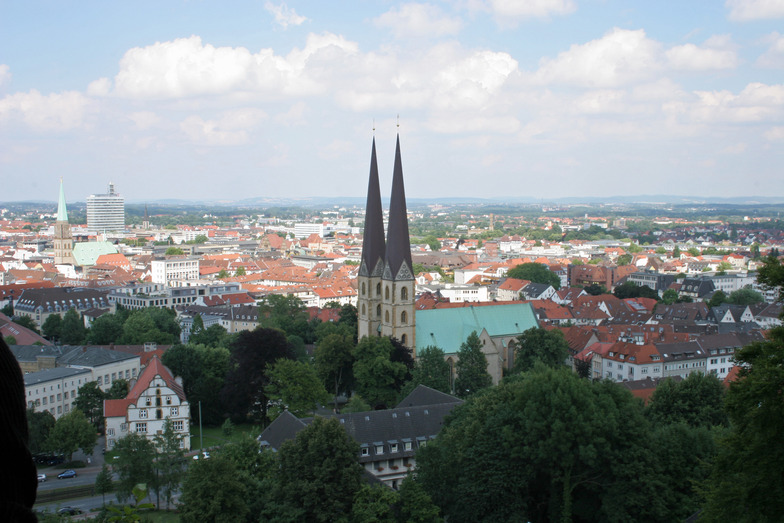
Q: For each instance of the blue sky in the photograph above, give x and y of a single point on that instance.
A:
(528, 98)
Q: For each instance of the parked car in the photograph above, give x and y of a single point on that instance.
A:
(71, 511)
(41, 478)
(67, 474)
(204, 455)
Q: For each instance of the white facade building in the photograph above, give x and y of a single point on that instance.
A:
(155, 398)
(168, 270)
(106, 212)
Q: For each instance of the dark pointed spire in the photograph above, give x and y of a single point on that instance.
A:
(398, 243)
(373, 236)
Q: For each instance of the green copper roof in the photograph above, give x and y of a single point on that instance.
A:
(86, 253)
(448, 328)
(62, 212)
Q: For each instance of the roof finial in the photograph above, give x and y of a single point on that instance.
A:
(398, 121)
(374, 126)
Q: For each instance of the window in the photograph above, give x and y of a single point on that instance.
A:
(393, 447)
(106, 379)
(386, 293)
(73, 394)
(143, 413)
(168, 400)
(127, 374)
(379, 449)
(158, 414)
(404, 339)
(407, 445)
(365, 451)
(378, 311)
(174, 411)
(386, 317)
(133, 372)
(148, 401)
(363, 288)
(378, 289)
(177, 425)
(363, 310)
(404, 293)
(100, 381)
(114, 376)
(60, 396)
(110, 432)
(403, 317)
(141, 428)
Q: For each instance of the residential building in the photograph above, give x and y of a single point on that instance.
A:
(174, 268)
(157, 396)
(39, 304)
(55, 390)
(388, 439)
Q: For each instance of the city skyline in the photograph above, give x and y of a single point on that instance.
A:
(545, 99)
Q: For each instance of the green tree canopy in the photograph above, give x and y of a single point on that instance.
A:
(431, 370)
(545, 446)
(745, 297)
(27, 322)
(89, 400)
(213, 491)
(319, 471)
(536, 273)
(719, 297)
(376, 376)
(174, 251)
(213, 336)
(670, 296)
(134, 463)
(335, 362)
(52, 326)
(294, 386)
(72, 330)
(70, 433)
(118, 390)
(632, 290)
(540, 345)
(252, 353)
(105, 329)
(288, 314)
(471, 367)
(39, 426)
(203, 370)
(697, 400)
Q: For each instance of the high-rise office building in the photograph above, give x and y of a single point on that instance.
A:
(106, 212)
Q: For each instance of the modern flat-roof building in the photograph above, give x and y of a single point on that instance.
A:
(106, 212)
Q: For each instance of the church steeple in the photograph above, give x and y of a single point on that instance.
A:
(398, 256)
(62, 212)
(373, 249)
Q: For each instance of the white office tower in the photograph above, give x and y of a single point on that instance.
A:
(106, 212)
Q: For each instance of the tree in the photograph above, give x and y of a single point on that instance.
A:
(198, 325)
(676, 252)
(375, 374)
(724, 267)
(402, 354)
(52, 326)
(151, 324)
(294, 386)
(374, 503)
(539, 345)
(545, 446)
(134, 463)
(536, 273)
(103, 482)
(203, 371)
(624, 259)
(431, 370)
(632, 290)
(169, 462)
(240, 271)
(89, 400)
(471, 367)
(213, 336)
(223, 274)
(118, 390)
(39, 426)
(105, 329)
(70, 433)
(252, 352)
(9, 340)
(697, 401)
(174, 251)
(319, 471)
(717, 299)
(27, 322)
(745, 297)
(595, 289)
(257, 471)
(670, 296)
(287, 313)
(357, 404)
(415, 505)
(335, 362)
(212, 491)
(693, 252)
(72, 330)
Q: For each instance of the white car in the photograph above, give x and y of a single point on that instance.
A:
(204, 455)
(41, 478)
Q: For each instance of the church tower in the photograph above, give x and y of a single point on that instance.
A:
(398, 278)
(63, 239)
(371, 267)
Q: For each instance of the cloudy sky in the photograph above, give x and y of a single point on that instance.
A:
(202, 99)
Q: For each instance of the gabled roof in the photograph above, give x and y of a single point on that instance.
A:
(424, 395)
(153, 369)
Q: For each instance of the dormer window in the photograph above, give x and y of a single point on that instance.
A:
(393, 447)
(364, 451)
(379, 448)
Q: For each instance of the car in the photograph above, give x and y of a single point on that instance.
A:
(67, 474)
(204, 455)
(41, 478)
(71, 511)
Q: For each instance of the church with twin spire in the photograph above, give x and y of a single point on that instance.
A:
(386, 276)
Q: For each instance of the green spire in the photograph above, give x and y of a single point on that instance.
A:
(62, 212)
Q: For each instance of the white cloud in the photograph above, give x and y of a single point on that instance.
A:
(715, 53)
(774, 56)
(5, 74)
(775, 134)
(53, 112)
(757, 102)
(508, 13)
(619, 57)
(144, 119)
(336, 149)
(418, 20)
(99, 87)
(745, 10)
(232, 128)
(185, 67)
(284, 16)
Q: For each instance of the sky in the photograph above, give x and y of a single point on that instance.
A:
(208, 100)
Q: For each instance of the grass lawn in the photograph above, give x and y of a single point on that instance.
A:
(213, 436)
(161, 516)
